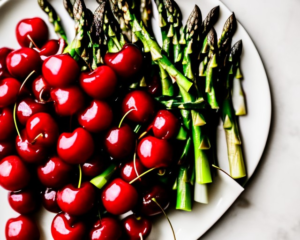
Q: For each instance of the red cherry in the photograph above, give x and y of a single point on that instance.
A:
(119, 197)
(24, 201)
(20, 63)
(14, 175)
(60, 70)
(65, 227)
(21, 228)
(143, 106)
(30, 152)
(9, 90)
(54, 173)
(97, 117)
(3, 70)
(50, 48)
(119, 142)
(41, 89)
(67, 101)
(7, 128)
(76, 201)
(154, 152)
(36, 28)
(161, 195)
(165, 125)
(125, 63)
(136, 226)
(49, 200)
(128, 172)
(99, 84)
(106, 229)
(154, 87)
(93, 167)
(6, 149)
(28, 107)
(76, 147)
(42, 123)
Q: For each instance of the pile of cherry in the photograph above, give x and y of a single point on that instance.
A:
(60, 128)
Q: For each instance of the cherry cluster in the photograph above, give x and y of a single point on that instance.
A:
(55, 119)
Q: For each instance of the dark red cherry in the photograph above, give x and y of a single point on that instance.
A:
(20, 228)
(141, 103)
(3, 69)
(35, 28)
(97, 117)
(76, 201)
(24, 201)
(49, 200)
(42, 129)
(65, 227)
(9, 90)
(128, 172)
(28, 107)
(94, 166)
(154, 87)
(6, 149)
(55, 173)
(60, 70)
(127, 62)
(20, 63)
(41, 89)
(154, 152)
(119, 197)
(30, 152)
(76, 147)
(49, 48)
(107, 228)
(7, 128)
(119, 142)
(137, 228)
(161, 195)
(14, 175)
(99, 84)
(165, 125)
(67, 101)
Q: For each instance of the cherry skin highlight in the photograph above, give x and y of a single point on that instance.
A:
(7, 128)
(49, 48)
(107, 228)
(49, 200)
(9, 90)
(128, 172)
(136, 226)
(23, 202)
(41, 89)
(93, 167)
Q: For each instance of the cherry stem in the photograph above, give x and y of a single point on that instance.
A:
(80, 176)
(154, 200)
(220, 169)
(141, 236)
(125, 115)
(144, 173)
(24, 82)
(15, 121)
(31, 40)
(36, 138)
(143, 134)
(134, 161)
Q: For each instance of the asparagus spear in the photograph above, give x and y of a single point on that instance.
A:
(68, 4)
(184, 192)
(53, 18)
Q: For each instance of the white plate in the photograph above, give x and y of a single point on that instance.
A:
(254, 126)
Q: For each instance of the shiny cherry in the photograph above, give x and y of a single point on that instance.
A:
(7, 128)
(94, 166)
(60, 70)
(9, 90)
(3, 69)
(49, 200)
(119, 197)
(30, 152)
(49, 48)
(154, 152)
(128, 172)
(143, 106)
(24, 201)
(41, 89)
(76, 201)
(161, 195)
(127, 62)
(76, 147)
(154, 87)
(99, 84)
(14, 175)
(6, 149)
(65, 227)
(42, 129)
(97, 117)
(20, 228)
(28, 107)
(54, 173)
(165, 125)
(20, 63)
(119, 142)
(107, 228)
(35, 28)
(67, 101)
(135, 227)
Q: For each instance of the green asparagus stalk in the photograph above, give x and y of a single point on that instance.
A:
(68, 4)
(54, 18)
(173, 104)
(101, 180)
(146, 12)
(228, 29)
(184, 192)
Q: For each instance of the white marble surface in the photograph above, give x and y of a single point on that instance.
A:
(269, 208)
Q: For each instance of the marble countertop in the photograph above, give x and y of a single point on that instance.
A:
(269, 208)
